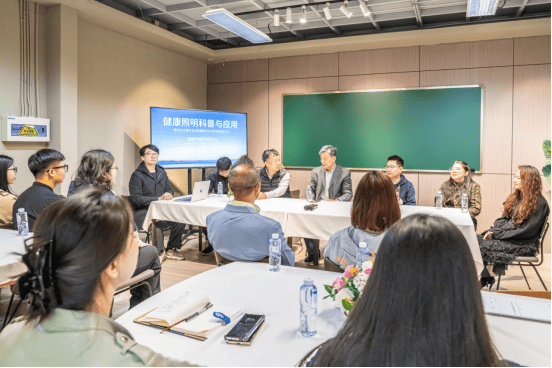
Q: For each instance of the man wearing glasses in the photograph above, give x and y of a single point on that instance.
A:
(406, 195)
(49, 171)
(149, 183)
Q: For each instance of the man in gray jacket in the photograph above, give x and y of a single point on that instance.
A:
(329, 182)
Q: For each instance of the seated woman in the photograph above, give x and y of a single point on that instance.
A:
(375, 209)
(97, 170)
(461, 182)
(405, 317)
(8, 174)
(90, 242)
(517, 232)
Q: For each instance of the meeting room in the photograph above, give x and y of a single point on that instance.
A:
(284, 183)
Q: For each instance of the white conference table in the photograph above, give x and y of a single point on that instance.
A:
(254, 289)
(320, 224)
(11, 265)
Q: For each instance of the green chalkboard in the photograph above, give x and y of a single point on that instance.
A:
(429, 128)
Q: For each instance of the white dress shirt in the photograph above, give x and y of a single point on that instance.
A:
(282, 187)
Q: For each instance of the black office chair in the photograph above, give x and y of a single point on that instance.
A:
(532, 261)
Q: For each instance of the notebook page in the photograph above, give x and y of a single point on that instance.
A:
(527, 309)
(178, 308)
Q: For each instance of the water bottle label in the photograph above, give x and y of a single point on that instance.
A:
(275, 248)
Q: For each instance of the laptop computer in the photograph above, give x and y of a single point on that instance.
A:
(201, 190)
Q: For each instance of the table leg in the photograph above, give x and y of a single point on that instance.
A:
(154, 232)
(316, 251)
(200, 238)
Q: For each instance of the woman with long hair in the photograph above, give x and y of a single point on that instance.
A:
(415, 321)
(461, 182)
(97, 169)
(517, 232)
(8, 174)
(375, 209)
(84, 248)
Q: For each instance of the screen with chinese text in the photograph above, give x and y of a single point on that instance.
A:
(193, 138)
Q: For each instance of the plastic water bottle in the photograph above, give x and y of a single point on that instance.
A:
(308, 296)
(219, 188)
(464, 203)
(361, 255)
(439, 201)
(22, 222)
(275, 258)
(309, 194)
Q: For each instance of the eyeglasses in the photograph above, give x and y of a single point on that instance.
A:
(14, 169)
(455, 169)
(114, 168)
(391, 167)
(152, 154)
(64, 167)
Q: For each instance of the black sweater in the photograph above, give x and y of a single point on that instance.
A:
(34, 200)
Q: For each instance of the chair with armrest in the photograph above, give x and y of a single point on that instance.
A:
(133, 282)
(221, 260)
(331, 266)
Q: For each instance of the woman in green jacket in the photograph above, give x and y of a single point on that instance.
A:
(84, 248)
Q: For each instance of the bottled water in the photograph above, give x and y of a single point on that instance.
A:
(361, 255)
(310, 196)
(308, 300)
(439, 200)
(22, 222)
(219, 188)
(275, 258)
(464, 203)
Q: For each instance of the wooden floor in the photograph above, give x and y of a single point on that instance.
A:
(174, 272)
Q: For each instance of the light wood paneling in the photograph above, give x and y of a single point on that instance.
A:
(238, 71)
(467, 55)
(299, 179)
(532, 50)
(289, 86)
(496, 148)
(531, 115)
(248, 97)
(428, 184)
(404, 59)
(494, 191)
(379, 81)
(311, 66)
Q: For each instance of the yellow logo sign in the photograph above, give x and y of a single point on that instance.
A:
(28, 131)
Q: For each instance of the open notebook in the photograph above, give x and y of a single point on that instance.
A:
(526, 308)
(174, 316)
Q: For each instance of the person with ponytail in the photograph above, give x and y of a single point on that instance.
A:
(83, 248)
(517, 232)
(461, 182)
(8, 174)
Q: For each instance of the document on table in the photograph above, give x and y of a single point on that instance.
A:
(504, 305)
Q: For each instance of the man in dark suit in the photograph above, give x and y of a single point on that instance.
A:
(329, 182)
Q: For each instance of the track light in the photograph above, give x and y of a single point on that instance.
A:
(288, 15)
(303, 18)
(276, 18)
(364, 8)
(327, 12)
(345, 10)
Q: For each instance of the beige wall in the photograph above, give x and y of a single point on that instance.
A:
(119, 79)
(514, 74)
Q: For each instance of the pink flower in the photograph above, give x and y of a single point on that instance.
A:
(347, 275)
(368, 271)
(341, 283)
(338, 283)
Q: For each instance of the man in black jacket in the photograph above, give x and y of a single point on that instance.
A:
(149, 183)
(220, 175)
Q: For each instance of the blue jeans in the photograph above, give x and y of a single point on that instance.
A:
(310, 246)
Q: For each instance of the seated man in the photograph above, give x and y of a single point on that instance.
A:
(239, 232)
(49, 170)
(406, 195)
(149, 183)
(220, 175)
(274, 178)
(329, 182)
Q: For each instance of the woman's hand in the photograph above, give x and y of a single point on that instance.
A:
(488, 235)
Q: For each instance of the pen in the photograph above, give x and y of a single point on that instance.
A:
(198, 312)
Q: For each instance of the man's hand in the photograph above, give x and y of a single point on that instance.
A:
(166, 197)
(488, 235)
(261, 195)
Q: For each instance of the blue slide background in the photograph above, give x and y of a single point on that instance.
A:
(190, 138)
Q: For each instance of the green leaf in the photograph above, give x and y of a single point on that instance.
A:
(347, 304)
(329, 289)
(546, 149)
(546, 170)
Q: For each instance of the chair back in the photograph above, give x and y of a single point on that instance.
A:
(295, 193)
(221, 260)
(331, 266)
(541, 239)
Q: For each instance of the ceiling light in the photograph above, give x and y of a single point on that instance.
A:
(478, 8)
(303, 18)
(227, 20)
(345, 10)
(327, 12)
(288, 15)
(277, 18)
(364, 8)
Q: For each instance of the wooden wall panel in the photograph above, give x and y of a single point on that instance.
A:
(404, 59)
(379, 81)
(532, 50)
(496, 148)
(280, 87)
(299, 179)
(238, 71)
(531, 114)
(429, 184)
(494, 191)
(248, 97)
(310, 66)
(467, 55)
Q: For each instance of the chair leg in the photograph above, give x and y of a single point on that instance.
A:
(498, 283)
(8, 312)
(537, 272)
(15, 310)
(525, 277)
